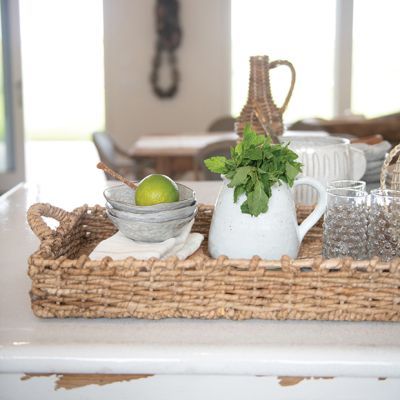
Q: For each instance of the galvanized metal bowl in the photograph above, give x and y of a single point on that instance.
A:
(122, 198)
(160, 216)
(150, 231)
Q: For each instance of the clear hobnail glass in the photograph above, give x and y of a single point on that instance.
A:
(345, 225)
(384, 225)
(347, 184)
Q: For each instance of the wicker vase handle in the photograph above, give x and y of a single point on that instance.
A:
(388, 160)
(35, 218)
(277, 63)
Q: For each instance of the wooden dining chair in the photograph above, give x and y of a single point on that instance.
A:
(223, 124)
(221, 148)
(113, 156)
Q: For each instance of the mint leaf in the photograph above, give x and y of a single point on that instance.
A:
(257, 200)
(216, 164)
(291, 172)
(254, 153)
(230, 165)
(239, 190)
(230, 174)
(245, 208)
(239, 149)
(251, 138)
(240, 176)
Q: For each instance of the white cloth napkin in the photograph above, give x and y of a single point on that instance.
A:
(119, 247)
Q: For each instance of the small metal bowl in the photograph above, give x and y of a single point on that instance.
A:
(160, 216)
(150, 231)
(122, 198)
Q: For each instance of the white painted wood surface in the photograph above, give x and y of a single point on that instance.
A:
(200, 387)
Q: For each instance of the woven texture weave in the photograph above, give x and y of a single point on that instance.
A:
(66, 283)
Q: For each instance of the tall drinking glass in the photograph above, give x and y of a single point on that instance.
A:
(347, 184)
(384, 226)
(345, 225)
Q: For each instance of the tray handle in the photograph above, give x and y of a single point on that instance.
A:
(35, 216)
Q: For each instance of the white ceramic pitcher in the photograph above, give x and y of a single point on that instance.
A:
(269, 235)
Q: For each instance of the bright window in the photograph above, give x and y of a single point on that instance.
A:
(302, 32)
(3, 135)
(62, 65)
(376, 57)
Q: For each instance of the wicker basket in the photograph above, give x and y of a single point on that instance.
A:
(66, 283)
(390, 174)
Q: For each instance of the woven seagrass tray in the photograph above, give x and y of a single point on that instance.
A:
(66, 283)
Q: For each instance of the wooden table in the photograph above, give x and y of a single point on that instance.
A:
(167, 149)
(180, 359)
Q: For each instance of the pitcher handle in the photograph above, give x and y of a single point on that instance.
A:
(277, 63)
(313, 218)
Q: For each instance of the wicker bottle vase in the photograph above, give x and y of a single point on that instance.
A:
(260, 110)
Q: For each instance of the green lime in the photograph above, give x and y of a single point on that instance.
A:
(156, 189)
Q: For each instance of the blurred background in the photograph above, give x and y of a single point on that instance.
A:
(71, 68)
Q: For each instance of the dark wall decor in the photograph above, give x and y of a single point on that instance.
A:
(169, 35)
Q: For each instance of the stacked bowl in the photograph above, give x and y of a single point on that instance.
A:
(154, 223)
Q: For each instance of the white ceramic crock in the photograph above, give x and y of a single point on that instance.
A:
(325, 159)
(269, 235)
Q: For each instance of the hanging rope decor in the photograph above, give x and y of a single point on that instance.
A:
(169, 37)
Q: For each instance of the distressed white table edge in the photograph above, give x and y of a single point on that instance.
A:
(274, 348)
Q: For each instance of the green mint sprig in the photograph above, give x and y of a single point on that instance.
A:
(254, 167)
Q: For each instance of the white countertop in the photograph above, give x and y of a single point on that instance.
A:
(299, 348)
